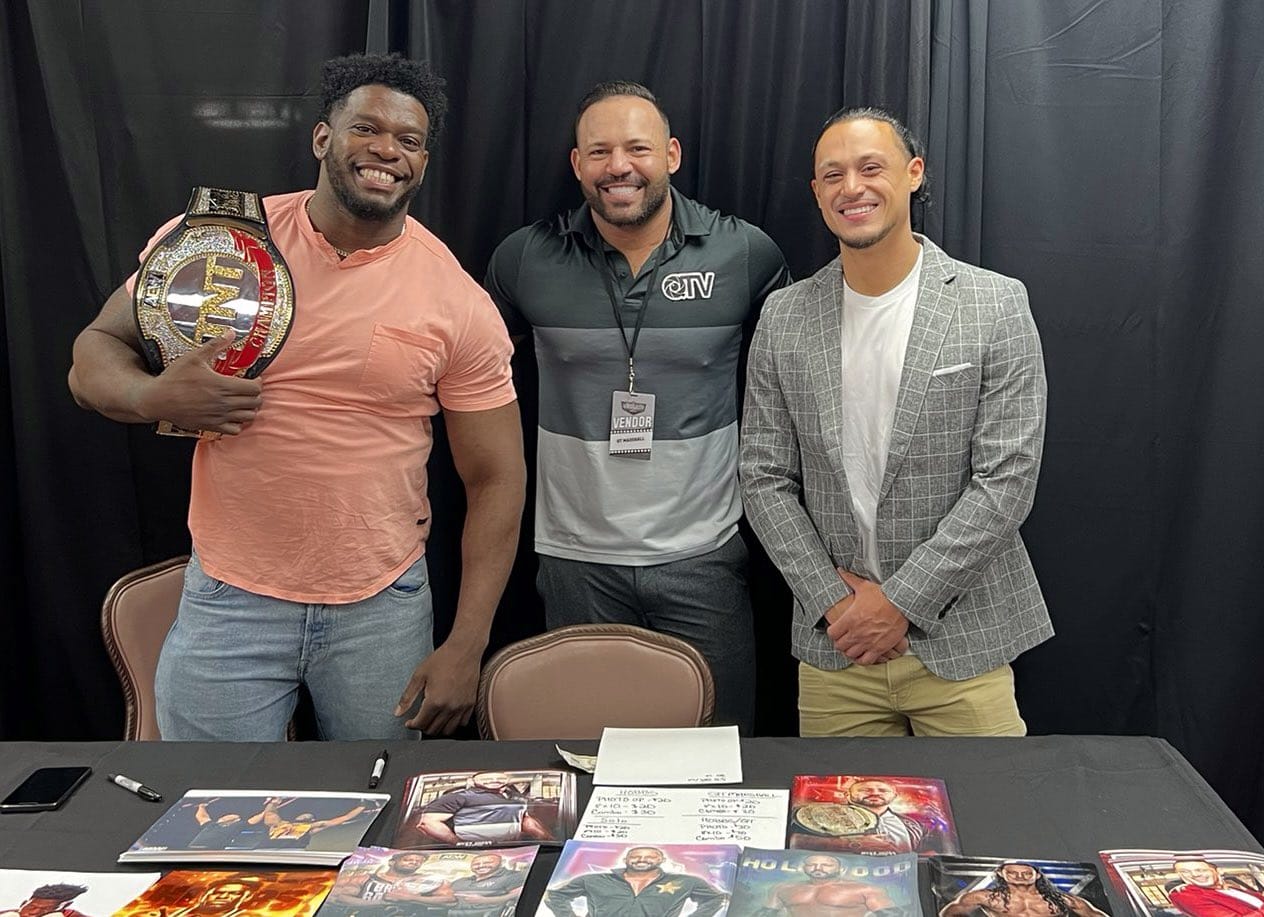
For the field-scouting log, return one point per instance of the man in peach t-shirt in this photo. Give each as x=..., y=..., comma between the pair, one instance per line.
x=309, y=515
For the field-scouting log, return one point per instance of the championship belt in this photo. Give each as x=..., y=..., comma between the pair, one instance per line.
x=834, y=819
x=218, y=269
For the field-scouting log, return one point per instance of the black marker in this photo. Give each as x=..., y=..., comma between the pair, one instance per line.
x=135, y=786
x=379, y=766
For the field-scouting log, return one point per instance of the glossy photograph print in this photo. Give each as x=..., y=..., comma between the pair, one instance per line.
x=871, y=814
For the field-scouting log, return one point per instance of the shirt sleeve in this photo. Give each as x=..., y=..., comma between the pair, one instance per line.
x=479, y=377
x=511, y=881
x=707, y=898
x=501, y=281
x=558, y=900
x=771, y=475
x=1005, y=452
x=766, y=271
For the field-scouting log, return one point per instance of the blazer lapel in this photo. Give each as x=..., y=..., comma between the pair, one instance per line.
x=936, y=306
x=825, y=363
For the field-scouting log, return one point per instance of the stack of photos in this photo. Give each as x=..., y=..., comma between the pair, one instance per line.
x=60, y=893
x=259, y=826
x=1189, y=883
x=871, y=814
x=381, y=882
x=806, y=883
x=671, y=880
x=199, y=893
x=487, y=809
x=989, y=887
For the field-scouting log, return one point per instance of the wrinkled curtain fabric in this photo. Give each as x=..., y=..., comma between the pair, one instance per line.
x=1105, y=152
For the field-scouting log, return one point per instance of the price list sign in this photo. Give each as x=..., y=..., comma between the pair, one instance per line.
x=686, y=816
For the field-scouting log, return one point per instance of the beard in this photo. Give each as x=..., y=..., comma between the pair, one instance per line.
x=860, y=245
x=656, y=193
x=341, y=181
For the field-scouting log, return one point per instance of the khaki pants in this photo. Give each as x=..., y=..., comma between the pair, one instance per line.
x=902, y=697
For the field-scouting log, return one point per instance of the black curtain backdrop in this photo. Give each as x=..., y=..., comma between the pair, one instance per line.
x=1106, y=152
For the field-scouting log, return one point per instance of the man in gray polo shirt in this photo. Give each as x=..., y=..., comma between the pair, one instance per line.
x=639, y=301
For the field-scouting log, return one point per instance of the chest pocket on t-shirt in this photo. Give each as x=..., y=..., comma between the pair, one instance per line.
x=401, y=371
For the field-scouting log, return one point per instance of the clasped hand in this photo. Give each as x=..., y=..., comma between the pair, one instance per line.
x=865, y=626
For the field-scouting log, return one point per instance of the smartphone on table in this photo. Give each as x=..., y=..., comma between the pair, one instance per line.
x=45, y=789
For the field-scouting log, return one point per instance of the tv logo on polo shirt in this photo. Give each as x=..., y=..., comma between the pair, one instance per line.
x=689, y=285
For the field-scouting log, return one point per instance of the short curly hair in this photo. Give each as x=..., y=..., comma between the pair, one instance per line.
x=341, y=76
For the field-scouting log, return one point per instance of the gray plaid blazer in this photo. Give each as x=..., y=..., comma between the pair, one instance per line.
x=960, y=474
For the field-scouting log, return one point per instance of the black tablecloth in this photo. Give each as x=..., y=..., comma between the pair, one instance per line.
x=1055, y=797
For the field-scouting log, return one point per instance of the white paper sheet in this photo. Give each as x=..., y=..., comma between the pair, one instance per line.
x=668, y=757
x=101, y=894
x=643, y=815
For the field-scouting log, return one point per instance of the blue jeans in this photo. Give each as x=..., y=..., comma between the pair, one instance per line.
x=233, y=662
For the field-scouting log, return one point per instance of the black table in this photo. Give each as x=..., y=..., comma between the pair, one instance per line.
x=1055, y=797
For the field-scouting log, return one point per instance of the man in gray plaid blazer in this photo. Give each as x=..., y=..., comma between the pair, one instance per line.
x=891, y=440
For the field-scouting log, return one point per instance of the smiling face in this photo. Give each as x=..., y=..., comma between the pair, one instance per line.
x=373, y=151
x=484, y=865
x=623, y=159
x=863, y=178
x=492, y=780
x=408, y=862
x=643, y=859
x=1196, y=872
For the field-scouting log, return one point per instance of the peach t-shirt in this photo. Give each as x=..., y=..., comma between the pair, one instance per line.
x=322, y=499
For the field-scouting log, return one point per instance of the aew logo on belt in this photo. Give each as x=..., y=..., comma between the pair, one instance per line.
x=689, y=285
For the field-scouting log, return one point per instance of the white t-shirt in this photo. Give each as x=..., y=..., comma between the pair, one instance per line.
x=875, y=336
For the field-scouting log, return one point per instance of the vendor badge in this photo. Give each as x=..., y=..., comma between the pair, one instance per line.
x=631, y=424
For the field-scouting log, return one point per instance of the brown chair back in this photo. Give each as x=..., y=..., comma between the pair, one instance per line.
x=572, y=682
x=138, y=611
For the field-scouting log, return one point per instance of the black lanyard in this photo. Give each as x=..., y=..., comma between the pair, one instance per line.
x=607, y=275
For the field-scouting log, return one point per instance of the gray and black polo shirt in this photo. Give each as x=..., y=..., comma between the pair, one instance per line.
x=715, y=272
